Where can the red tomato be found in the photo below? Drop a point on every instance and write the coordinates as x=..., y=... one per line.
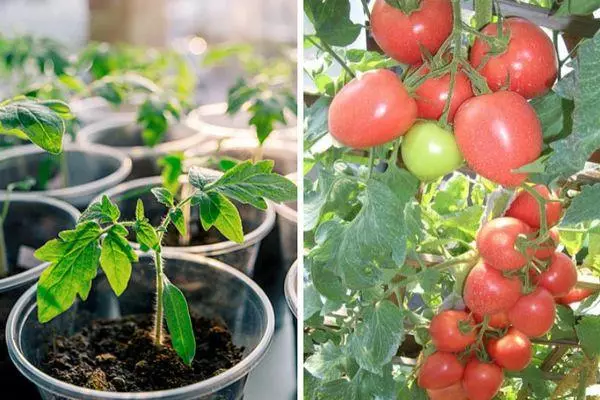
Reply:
x=454, y=392
x=534, y=313
x=498, y=320
x=481, y=381
x=488, y=292
x=529, y=64
x=431, y=96
x=560, y=276
x=547, y=249
x=512, y=351
x=439, y=371
x=401, y=36
x=496, y=242
x=446, y=333
x=575, y=295
x=498, y=133
x=372, y=109
x=526, y=208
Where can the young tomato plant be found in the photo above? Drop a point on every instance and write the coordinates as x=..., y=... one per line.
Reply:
x=427, y=277
x=99, y=240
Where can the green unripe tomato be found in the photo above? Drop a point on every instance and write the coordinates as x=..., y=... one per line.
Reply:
x=429, y=151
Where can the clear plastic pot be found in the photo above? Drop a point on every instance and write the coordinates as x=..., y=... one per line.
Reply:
x=287, y=221
x=30, y=223
x=91, y=170
x=94, y=109
x=213, y=120
x=212, y=289
x=257, y=223
x=121, y=131
x=291, y=288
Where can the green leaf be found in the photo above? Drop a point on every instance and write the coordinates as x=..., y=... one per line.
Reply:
x=588, y=331
x=378, y=336
x=172, y=168
x=572, y=239
x=179, y=221
x=139, y=210
x=31, y=119
x=179, y=322
x=238, y=95
x=253, y=183
x=577, y=7
x=103, y=212
x=146, y=235
x=555, y=114
x=570, y=154
x=584, y=207
x=74, y=259
x=331, y=20
x=327, y=362
x=197, y=179
x=312, y=301
x=316, y=117
x=116, y=258
x=264, y=115
x=163, y=196
x=483, y=13
x=218, y=211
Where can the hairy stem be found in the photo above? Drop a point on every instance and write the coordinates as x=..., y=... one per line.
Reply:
x=4, y=267
x=64, y=167
x=327, y=49
x=160, y=313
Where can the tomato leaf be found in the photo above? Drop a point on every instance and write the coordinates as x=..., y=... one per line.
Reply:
x=584, y=207
x=588, y=331
x=103, y=211
x=331, y=21
x=316, y=117
x=163, y=196
x=327, y=363
x=116, y=257
x=179, y=322
x=172, y=168
x=577, y=7
x=218, y=211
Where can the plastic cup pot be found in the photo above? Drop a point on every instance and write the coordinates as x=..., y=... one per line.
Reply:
x=120, y=131
x=256, y=224
x=76, y=176
x=29, y=224
x=93, y=109
x=287, y=222
x=291, y=288
x=212, y=289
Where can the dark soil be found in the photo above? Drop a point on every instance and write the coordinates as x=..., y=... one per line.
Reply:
x=120, y=356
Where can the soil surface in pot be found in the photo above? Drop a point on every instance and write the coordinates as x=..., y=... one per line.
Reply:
x=120, y=356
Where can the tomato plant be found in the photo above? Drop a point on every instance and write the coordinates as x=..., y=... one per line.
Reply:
x=448, y=281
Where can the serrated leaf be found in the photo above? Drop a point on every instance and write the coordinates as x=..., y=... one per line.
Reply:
x=588, y=331
x=197, y=179
x=74, y=259
x=179, y=322
x=264, y=115
x=139, y=211
x=172, y=168
x=315, y=121
x=331, y=20
x=327, y=362
x=577, y=7
x=238, y=95
x=218, y=211
x=312, y=301
x=584, y=207
x=103, y=212
x=163, y=196
x=555, y=114
x=146, y=235
x=179, y=221
x=116, y=257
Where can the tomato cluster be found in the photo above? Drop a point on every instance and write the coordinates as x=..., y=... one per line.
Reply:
x=510, y=296
x=496, y=132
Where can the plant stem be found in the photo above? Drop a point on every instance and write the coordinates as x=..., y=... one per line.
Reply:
x=327, y=48
x=159, y=316
x=64, y=167
x=371, y=161
x=4, y=267
x=365, y=4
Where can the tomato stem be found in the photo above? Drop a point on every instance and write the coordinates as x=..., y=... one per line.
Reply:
x=324, y=47
x=365, y=5
x=371, y=161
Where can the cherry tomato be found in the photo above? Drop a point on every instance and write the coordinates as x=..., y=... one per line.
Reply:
x=560, y=276
x=498, y=320
x=372, y=109
x=452, y=331
x=575, y=295
x=498, y=133
x=496, y=242
x=534, y=313
x=429, y=151
x=526, y=208
x=547, y=249
x=431, y=96
x=440, y=370
x=488, y=292
x=529, y=65
x=481, y=381
x=454, y=392
x=512, y=351
x=401, y=36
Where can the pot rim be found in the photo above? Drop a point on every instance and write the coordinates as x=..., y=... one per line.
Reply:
x=30, y=275
x=202, y=388
x=85, y=189
x=227, y=246
x=283, y=209
x=291, y=288
x=120, y=119
x=195, y=120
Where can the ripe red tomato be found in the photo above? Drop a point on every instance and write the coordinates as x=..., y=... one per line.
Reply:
x=372, y=109
x=547, y=249
x=481, y=381
x=526, y=208
x=560, y=276
x=440, y=370
x=488, y=292
x=575, y=295
x=498, y=133
x=512, y=351
x=431, y=96
x=401, y=36
x=496, y=242
x=446, y=333
x=529, y=63
x=454, y=392
x=534, y=313
x=498, y=320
